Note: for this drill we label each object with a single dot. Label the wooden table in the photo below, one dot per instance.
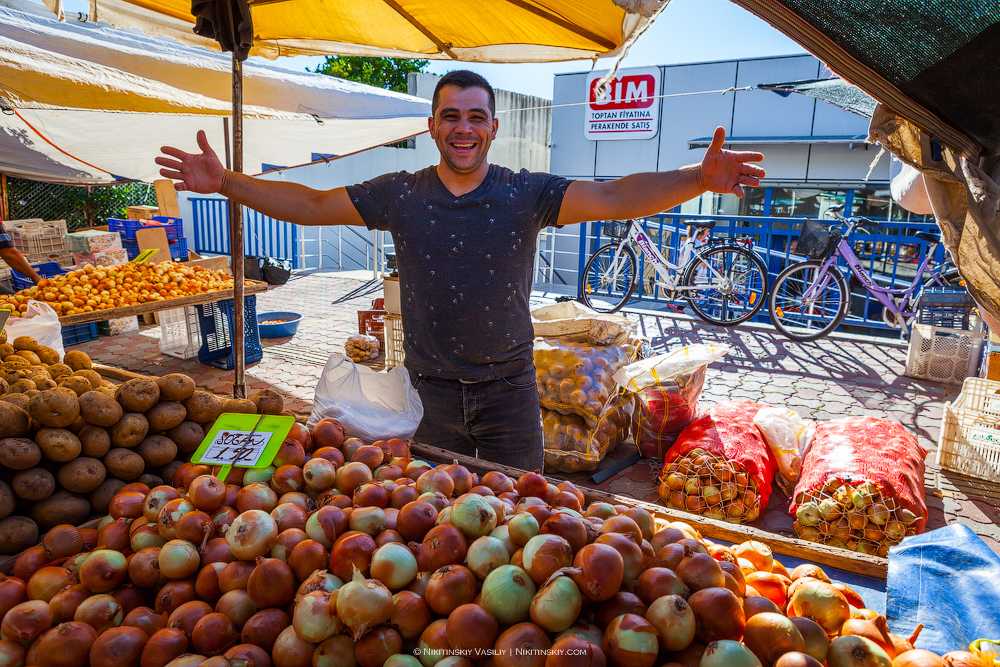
(254, 287)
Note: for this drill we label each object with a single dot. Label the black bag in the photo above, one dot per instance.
(275, 271)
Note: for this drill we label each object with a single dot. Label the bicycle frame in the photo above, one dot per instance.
(667, 272)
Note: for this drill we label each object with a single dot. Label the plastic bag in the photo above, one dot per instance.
(667, 388)
(789, 436)
(571, 445)
(41, 322)
(576, 378)
(862, 486)
(372, 406)
(361, 347)
(572, 321)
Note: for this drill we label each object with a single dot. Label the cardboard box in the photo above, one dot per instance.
(390, 290)
(141, 212)
(119, 325)
(91, 241)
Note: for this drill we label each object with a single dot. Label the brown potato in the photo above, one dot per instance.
(6, 350)
(240, 405)
(77, 426)
(100, 409)
(59, 370)
(4, 386)
(110, 390)
(25, 343)
(203, 406)
(165, 415)
(20, 400)
(47, 355)
(167, 471)
(12, 376)
(175, 387)
(157, 450)
(130, 430)
(34, 484)
(95, 441)
(124, 464)
(17, 533)
(16, 361)
(81, 475)
(79, 385)
(93, 377)
(23, 385)
(138, 394)
(30, 356)
(58, 444)
(269, 402)
(14, 421)
(44, 383)
(7, 500)
(19, 453)
(61, 507)
(101, 497)
(77, 359)
(57, 407)
(187, 436)
(150, 480)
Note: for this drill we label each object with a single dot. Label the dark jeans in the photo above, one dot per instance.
(496, 420)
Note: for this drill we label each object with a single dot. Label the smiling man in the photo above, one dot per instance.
(465, 232)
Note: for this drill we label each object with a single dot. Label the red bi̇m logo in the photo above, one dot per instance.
(633, 91)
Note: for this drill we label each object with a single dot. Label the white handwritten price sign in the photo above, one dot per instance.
(243, 441)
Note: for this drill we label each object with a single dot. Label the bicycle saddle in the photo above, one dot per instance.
(930, 237)
(701, 224)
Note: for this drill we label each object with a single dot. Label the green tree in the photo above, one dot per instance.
(388, 73)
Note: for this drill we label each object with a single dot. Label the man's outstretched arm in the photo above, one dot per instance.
(645, 194)
(292, 202)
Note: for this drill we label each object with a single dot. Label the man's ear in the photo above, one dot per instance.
(430, 124)
(496, 126)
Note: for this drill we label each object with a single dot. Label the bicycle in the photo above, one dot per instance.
(724, 281)
(811, 298)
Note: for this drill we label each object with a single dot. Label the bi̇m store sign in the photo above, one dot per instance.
(629, 107)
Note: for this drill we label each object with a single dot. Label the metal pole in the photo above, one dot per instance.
(236, 238)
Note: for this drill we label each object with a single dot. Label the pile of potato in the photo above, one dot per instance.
(69, 440)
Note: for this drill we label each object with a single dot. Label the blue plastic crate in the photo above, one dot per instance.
(946, 296)
(79, 333)
(174, 227)
(948, 307)
(45, 270)
(179, 250)
(216, 323)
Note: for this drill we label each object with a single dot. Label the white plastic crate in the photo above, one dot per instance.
(969, 443)
(943, 355)
(393, 340)
(180, 335)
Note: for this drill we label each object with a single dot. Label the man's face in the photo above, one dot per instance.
(463, 128)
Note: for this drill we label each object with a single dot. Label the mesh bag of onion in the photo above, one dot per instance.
(572, 446)
(720, 466)
(862, 486)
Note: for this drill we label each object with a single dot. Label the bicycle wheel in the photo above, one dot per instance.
(607, 286)
(727, 285)
(804, 319)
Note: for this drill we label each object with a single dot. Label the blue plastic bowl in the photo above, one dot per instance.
(283, 330)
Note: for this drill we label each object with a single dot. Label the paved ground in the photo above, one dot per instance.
(830, 378)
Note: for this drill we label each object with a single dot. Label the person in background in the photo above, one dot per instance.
(464, 232)
(14, 259)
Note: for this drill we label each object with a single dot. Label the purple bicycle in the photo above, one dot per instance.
(810, 299)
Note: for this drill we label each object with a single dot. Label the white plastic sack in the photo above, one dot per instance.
(41, 322)
(789, 436)
(371, 405)
(655, 370)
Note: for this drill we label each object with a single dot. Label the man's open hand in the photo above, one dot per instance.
(725, 171)
(198, 173)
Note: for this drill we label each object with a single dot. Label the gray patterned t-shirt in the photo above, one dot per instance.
(464, 265)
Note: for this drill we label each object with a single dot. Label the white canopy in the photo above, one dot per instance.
(88, 103)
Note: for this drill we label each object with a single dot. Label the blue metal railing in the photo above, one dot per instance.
(890, 253)
(263, 236)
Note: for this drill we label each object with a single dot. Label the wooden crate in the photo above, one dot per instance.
(821, 554)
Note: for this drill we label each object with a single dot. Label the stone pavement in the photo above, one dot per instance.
(830, 378)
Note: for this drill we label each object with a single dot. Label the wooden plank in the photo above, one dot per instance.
(154, 238)
(166, 198)
(821, 554)
(119, 374)
(7, 562)
(153, 306)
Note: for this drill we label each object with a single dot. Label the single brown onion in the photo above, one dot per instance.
(919, 657)
(655, 582)
(271, 583)
(173, 594)
(443, 545)
(434, 639)
(315, 617)
(248, 655)
(375, 647)
(719, 614)
(118, 647)
(363, 603)
(331, 454)
(326, 524)
(170, 513)
(101, 612)
(235, 575)
(352, 550)
(195, 527)
(287, 479)
(329, 433)
(65, 602)
(631, 640)
(237, 606)
(853, 651)
(497, 481)
(187, 615)
(388, 535)
(128, 505)
(631, 553)
(415, 519)
(144, 568)
(13, 591)
(620, 603)
(163, 646)
(450, 587)
(306, 557)
(114, 536)
(352, 475)
(252, 534)
(29, 561)
(600, 571)
(699, 570)
(66, 645)
(574, 651)
(877, 630)
(796, 659)
(410, 615)
(207, 492)
(216, 550)
(769, 635)
(207, 583)
(290, 651)
(568, 527)
(263, 628)
(769, 585)
(27, 621)
(47, 581)
(130, 596)
(401, 496)
(179, 559)
(289, 515)
(755, 604)
(471, 630)
(286, 541)
(320, 580)
(256, 496)
(214, 634)
(520, 641)
(146, 620)
(821, 602)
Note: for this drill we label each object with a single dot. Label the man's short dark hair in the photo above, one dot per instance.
(463, 79)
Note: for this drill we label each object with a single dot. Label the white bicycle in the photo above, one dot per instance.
(724, 281)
